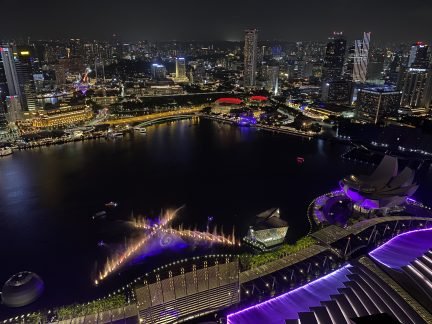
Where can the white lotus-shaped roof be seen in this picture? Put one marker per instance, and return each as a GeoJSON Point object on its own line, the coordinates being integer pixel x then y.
{"type": "Point", "coordinates": [384, 186]}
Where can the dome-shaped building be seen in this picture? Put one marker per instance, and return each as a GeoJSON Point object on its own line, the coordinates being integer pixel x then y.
{"type": "Point", "coordinates": [22, 289]}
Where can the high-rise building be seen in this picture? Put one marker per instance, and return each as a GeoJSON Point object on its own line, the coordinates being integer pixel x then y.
{"type": "Point", "coordinates": [348, 70]}
{"type": "Point", "coordinates": [416, 87]}
{"type": "Point", "coordinates": [14, 109]}
{"type": "Point", "coordinates": [337, 91]}
{"type": "Point", "coordinates": [271, 75]}
{"type": "Point", "coordinates": [180, 75]}
{"type": "Point", "coordinates": [394, 69]}
{"type": "Point", "coordinates": [334, 57]}
{"type": "Point", "coordinates": [26, 69]}
{"type": "Point", "coordinates": [197, 72]}
{"type": "Point", "coordinates": [180, 68]}
{"type": "Point", "coordinates": [158, 71]}
{"type": "Point", "coordinates": [60, 75]}
{"type": "Point", "coordinates": [375, 70]}
{"type": "Point", "coordinates": [10, 71]}
{"type": "Point", "coordinates": [375, 103]}
{"type": "Point", "coordinates": [419, 56]}
{"type": "Point", "coordinates": [361, 58]}
{"type": "Point", "coordinates": [250, 57]}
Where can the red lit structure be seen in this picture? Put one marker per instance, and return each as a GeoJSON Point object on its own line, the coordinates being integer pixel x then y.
{"type": "Point", "coordinates": [230, 101]}
{"type": "Point", "coordinates": [258, 98]}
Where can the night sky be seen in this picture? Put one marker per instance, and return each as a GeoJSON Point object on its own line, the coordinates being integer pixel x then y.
{"type": "Point", "coordinates": [216, 20]}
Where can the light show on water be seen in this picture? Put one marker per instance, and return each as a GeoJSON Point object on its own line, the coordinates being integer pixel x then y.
{"type": "Point", "coordinates": [157, 235]}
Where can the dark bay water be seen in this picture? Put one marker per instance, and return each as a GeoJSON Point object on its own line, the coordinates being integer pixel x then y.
{"type": "Point", "coordinates": [48, 195]}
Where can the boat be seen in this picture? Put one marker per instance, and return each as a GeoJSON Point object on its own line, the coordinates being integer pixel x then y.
{"type": "Point", "coordinates": [111, 204]}
{"type": "Point", "coordinates": [4, 151]}
{"type": "Point", "coordinates": [140, 129]}
{"type": "Point", "coordinates": [100, 214]}
{"type": "Point", "coordinates": [300, 160]}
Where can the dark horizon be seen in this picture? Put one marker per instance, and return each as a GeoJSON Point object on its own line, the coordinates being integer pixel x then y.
{"type": "Point", "coordinates": [388, 21]}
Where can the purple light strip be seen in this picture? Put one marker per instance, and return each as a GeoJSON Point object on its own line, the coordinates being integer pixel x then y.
{"type": "Point", "coordinates": [371, 254]}
{"type": "Point", "coordinates": [229, 317]}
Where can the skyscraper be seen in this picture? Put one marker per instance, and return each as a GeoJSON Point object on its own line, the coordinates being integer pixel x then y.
{"type": "Point", "coordinates": [419, 56]}
{"type": "Point", "coordinates": [361, 58]}
{"type": "Point", "coordinates": [10, 71]}
{"type": "Point", "coordinates": [337, 91]}
{"type": "Point", "coordinates": [416, 87]}
{"type": "Point", "coordinates": [26, 67]}
{"type": "Point", "coordinates": [334, 57]}
{"type": "Point", "coordinates": [180, 68]}
{"type": "Point", "coordinates": [271, 75]}
{"type": "Point", "coordinates": [374, 104]}
{"type": "Point", "coordinates": [375, 70]}
{"type": "Point", "coordinates": [180, 75]}
{"type": "Point", "coordinates": [250, 57]}
{"type": "Point", "coordinates": [348, 70]}
{"type": "Point", "coordinates": [14, 110]}
{"type": "Point", "coordinates": [158, 71]}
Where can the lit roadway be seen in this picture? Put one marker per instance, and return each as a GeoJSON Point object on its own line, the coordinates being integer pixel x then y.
{"type": "Point", "coordinates": [150, 117]}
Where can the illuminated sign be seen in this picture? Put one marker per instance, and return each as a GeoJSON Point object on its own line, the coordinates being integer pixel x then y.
{"type": "Point", "coordinates": [25, 53]}
{"type": "Point", "coordinates": [38, 77]}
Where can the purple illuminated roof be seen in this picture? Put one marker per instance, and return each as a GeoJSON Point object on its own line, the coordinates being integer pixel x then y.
{"type": "Point", "coordinates": [287, 306]}
{"type": "Point", "coordinates": [404, 248]}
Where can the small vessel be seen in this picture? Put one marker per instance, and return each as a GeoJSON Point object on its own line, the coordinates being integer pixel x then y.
{"type": "Point", "coordinates": [111, 204]}
{"type": "Point", "coordinates": [117, 134]}
{"type": "Point", "coordinates": [100, 214]}
{"type": "Point", "coordinates": [4, 151]}
{"type": "Point", "coordinates": [300, 160]}
{"type": "Point", "coordinates": [140, 129]}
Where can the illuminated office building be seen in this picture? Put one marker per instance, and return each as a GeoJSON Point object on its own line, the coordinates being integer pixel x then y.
{"type": "Point", "coordinates": [375, 70]}
{"type": "Point", "coordinates": [25, 62]}
{"type": "Point", "coordinates": [419, 56]}
{"type": "Point", "coordinates": [271, 75]}
{"type": "Point", "coordinates": [337, 91]}
{"type": "Point", "coordinates": [416, 87]}
{"type": "Point", "coordinates": [180, 76]}
{"type": "Point", "coordinates": [158, 71]}
{"type": "Point", "coordinates": [10, 71]}
{"type": "Point", "coordinates": [250, 57]}
{"type": "Point", "coordinates": [361, 58]}
{"type": "Point", "coordinates": [180, 68]}
{"type": "Point", "coordinates": [375, 103]}
{"type": "Point", "coordinates": [14, 109]}
{"type": "Point", "coordinates": [334, 57]}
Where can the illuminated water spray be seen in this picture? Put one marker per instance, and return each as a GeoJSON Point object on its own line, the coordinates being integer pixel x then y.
{"type": "Point", "coordinates": [161, 228]}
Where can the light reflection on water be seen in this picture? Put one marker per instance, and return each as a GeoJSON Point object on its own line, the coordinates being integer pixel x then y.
{"type": "Point", "coordinates": [49, 195]}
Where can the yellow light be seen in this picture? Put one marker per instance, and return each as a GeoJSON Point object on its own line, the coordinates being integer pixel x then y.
{"type": "Point", "coordinates": [25, 53]}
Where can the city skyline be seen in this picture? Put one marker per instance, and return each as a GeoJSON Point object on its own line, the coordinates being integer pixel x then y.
{"type": "Point", "coordinates": [388, 21]}
{"type": "Point", "coordinates": [271, 164]}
